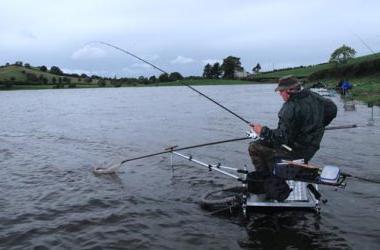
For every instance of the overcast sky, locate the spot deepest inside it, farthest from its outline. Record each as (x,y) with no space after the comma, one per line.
(182,35)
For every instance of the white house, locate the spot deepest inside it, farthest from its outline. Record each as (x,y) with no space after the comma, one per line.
(241,74)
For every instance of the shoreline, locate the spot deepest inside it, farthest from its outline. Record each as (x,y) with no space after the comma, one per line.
(365,90)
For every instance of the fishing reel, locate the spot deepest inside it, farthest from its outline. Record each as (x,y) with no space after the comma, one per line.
(252,134)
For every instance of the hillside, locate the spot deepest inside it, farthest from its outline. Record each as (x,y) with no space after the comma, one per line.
(306,71)
(21,77)
(25,77)
(363,72)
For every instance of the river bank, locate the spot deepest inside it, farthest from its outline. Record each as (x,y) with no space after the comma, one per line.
(197,82)
(366,89)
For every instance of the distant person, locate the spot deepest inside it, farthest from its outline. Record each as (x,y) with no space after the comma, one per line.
(346,86)
(301,125)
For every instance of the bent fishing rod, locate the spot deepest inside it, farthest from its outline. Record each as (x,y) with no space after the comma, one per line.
(113,168)
(163,71)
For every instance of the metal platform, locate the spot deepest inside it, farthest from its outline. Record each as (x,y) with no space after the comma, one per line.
(300,197)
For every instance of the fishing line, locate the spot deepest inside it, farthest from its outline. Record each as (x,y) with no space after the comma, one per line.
(163,71)
(362,178)
(364,43)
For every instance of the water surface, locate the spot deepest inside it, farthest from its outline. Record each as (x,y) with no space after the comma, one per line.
(49,198)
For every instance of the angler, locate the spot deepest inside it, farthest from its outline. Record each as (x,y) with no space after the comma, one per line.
(302,121)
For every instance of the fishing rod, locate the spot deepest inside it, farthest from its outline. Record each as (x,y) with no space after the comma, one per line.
(341,127)
(362,178)
(114,167)
(364,43)
(163,71)
(252,135)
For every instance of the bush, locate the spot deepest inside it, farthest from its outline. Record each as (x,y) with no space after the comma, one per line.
(350,70)
(31,78)
(101,83)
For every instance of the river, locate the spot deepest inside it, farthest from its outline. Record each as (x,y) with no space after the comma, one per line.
(50,198)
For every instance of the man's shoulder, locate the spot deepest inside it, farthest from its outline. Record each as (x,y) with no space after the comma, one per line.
(307,94)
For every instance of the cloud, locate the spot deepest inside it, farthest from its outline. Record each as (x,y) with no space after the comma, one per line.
(88,52)
(27,34)
(182,60)
(211,61)
(300,32)
(137,70)
(151,57)
(141,65)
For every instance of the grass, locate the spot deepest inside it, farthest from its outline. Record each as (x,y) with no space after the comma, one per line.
(18,75)
(297,72)
(19,86)
(305,71)
(366,89)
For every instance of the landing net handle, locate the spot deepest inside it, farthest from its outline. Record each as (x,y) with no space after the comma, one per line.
(222,169)
(217,167)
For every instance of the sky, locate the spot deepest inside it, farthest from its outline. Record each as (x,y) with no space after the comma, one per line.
(182,35)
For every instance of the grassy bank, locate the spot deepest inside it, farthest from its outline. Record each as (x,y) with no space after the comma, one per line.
(362,71)
(366,88)
(132,84)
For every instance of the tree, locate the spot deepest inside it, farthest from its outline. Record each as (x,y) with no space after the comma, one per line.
(342,54)
(43,68)
(143,80)
(31,78)
(163,77)
(27,65)
(7,84)
(88,80)
(257,68)
(55,70)
(175,76)
(216,71)
(152,79)
(230,65)
(101,82)
(207,71)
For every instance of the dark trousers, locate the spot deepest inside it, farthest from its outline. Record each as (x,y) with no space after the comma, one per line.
(263,157)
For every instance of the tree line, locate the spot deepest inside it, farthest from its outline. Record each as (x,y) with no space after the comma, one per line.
(227,70)
(60,79)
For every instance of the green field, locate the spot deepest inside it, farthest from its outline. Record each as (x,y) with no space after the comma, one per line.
(17,78)
(20,77)
(366,86)
(305,71)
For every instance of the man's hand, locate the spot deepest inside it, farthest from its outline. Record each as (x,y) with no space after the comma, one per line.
(256,127)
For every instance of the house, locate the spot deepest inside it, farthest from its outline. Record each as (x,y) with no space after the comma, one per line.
(241,74)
